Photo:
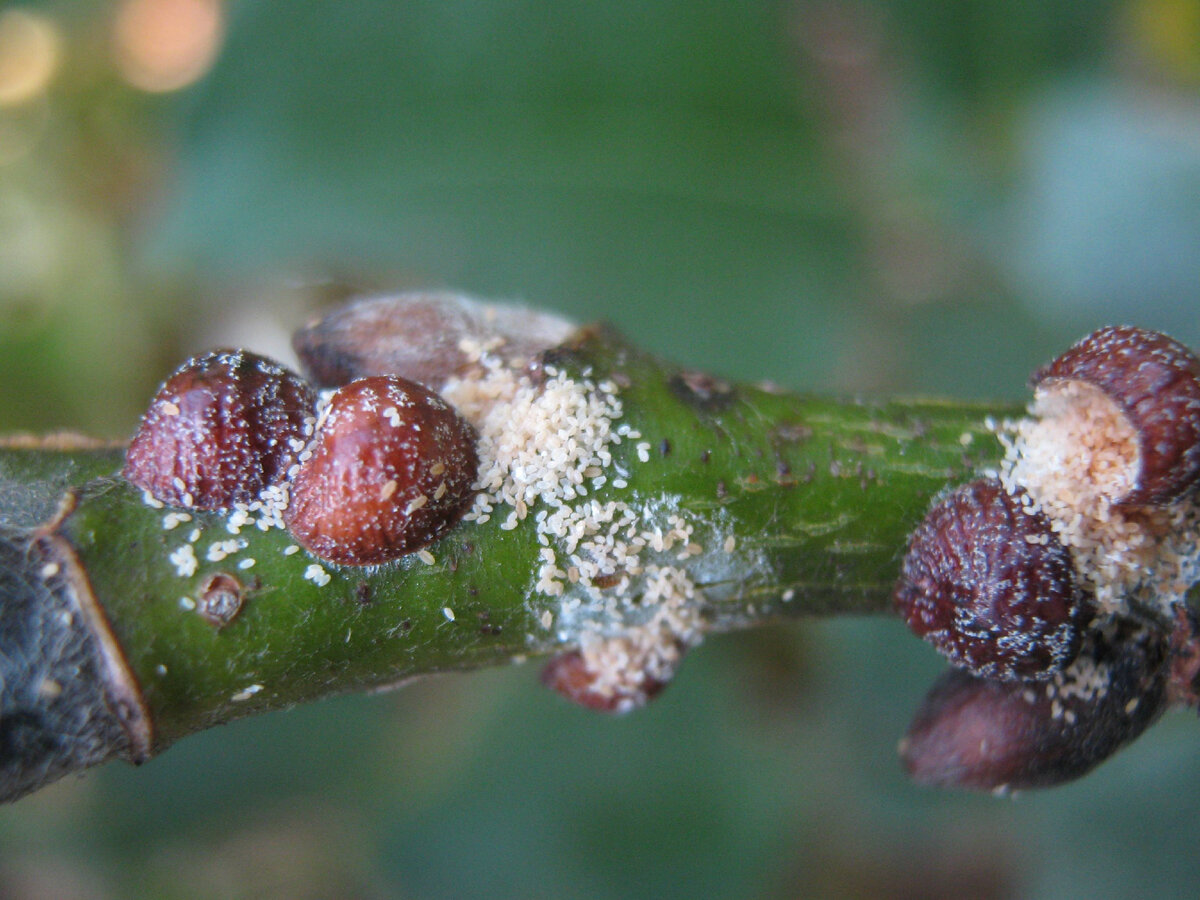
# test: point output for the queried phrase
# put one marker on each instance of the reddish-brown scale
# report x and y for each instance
(1155, 381)
(991, 587)
(997, 735)
(220, 430)
(568, 675)
(390, 472)
(418, 336)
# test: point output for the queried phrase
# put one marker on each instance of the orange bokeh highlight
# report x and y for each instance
(165, 45)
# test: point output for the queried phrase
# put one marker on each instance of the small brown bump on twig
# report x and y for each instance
(362, 593)
(568, 675)
(702, 391)
(610, 580)
(220, 599)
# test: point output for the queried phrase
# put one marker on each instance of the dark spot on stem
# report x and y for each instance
(793, 433)
(362, 593)
(560, 357)
(24, 735)
(664, 447)
(783, 471)
(220, 599)
(702, 391)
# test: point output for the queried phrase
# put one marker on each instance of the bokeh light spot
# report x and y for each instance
(30, 49)
(165, 45)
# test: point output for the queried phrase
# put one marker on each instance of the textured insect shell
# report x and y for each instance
(1155, 381)
(991, 586)
(988, 735)
(391, 471)
(220, 430)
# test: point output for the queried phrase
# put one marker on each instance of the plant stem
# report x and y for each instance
(801, 506)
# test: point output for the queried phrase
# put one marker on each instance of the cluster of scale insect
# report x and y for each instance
(1030, 580)
(382, 466)
(386, 471)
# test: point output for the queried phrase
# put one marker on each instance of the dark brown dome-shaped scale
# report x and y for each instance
(1155, 381)
(390, 472)
(225, 426)
(995, 735)
(988, 583)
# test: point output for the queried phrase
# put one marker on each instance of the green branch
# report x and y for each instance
(798, 506)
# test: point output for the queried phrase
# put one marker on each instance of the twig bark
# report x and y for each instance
(116, 645)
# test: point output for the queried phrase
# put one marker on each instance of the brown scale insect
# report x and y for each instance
(568, 675)
(390, 472)
(219, 431)
(418, 336)
(991, 587)
(1155, 382)
(992, 735)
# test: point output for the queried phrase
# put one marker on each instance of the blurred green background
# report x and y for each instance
(918, 196)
